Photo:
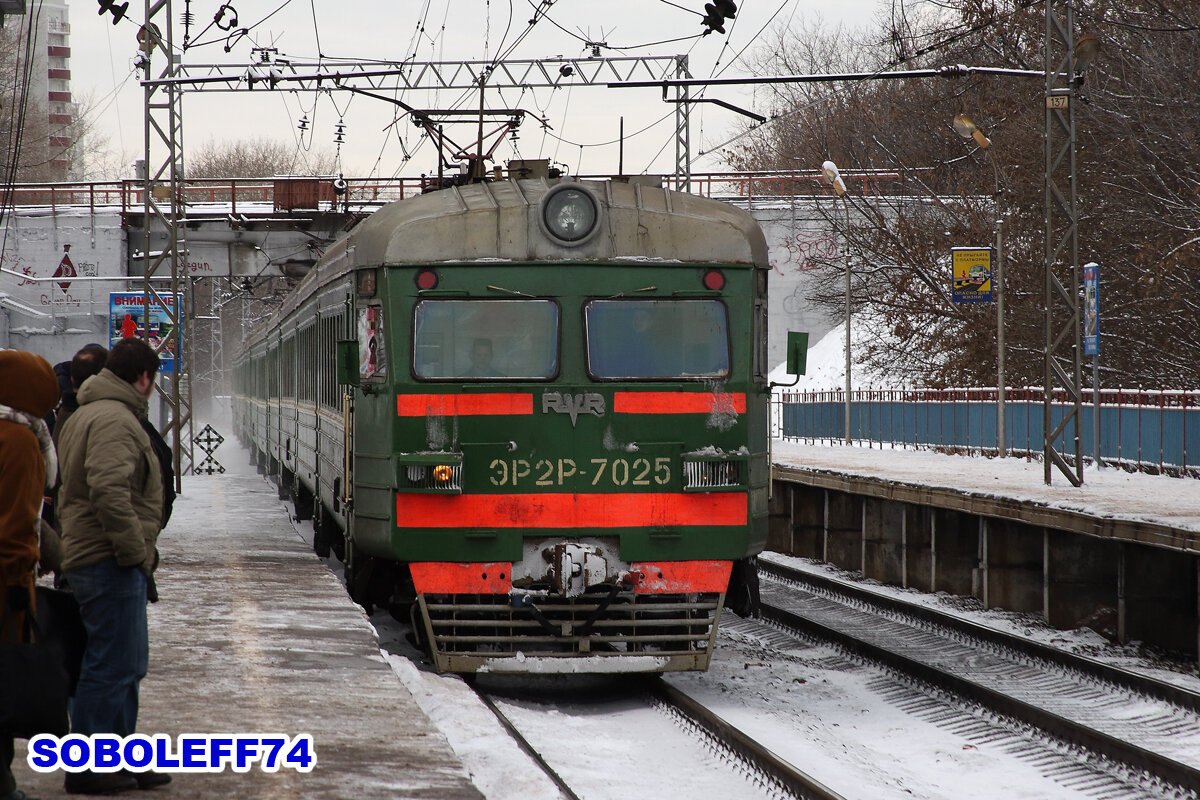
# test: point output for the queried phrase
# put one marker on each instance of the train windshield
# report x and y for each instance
(485, 339)
(657, 338)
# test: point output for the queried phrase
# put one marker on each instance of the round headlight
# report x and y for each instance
(570, 214)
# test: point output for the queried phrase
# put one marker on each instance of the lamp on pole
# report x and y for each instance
(830, 171)
(968, 130)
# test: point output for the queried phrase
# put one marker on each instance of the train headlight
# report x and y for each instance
(416, 474)
(443, 473)
(570, 214)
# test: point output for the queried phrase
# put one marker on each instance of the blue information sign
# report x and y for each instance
(1091, 309)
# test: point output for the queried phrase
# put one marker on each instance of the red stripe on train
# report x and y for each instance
(671, 577)
(445, 405)
(641, 510)
(443, 577)
(678, 402)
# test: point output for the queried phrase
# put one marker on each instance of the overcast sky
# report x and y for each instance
(584, 122)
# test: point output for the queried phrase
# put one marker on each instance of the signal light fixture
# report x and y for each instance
(427, 279)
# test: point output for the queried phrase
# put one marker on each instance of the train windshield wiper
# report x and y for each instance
(634, 291)
(510, 291)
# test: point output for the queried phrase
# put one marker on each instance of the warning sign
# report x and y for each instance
(127, 316)
(972, 274)
(65, 269)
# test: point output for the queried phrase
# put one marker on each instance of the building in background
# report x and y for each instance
(35, 81)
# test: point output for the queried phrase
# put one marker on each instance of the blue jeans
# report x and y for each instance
(112, 601)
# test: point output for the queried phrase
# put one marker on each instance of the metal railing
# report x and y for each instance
(292, 192)
(1155, 431)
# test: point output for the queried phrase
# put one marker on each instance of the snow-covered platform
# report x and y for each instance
(1150, 509)
(253, 634)
(1117, 554)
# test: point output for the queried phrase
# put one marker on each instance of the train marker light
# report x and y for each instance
(367, 282)
(427, 279)
(713, 279)
(442, 473)
(570, 214)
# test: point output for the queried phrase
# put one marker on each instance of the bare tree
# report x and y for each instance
(256, 158)
(1139, 183)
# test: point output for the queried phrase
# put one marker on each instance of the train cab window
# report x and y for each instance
(372, 358)
(481, 340)
(657, 339)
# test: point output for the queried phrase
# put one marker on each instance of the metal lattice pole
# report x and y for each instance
(164, 126)
(1063, 343)
(683, 149)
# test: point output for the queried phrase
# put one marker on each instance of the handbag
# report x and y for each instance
(33, 682)
(62, 624)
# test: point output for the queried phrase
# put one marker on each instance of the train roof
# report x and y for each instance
(499, 220)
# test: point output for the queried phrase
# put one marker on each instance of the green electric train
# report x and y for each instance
(532, 415)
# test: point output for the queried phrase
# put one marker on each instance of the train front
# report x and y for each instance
(561, 429)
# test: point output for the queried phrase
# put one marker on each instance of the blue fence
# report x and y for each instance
(1147, 430)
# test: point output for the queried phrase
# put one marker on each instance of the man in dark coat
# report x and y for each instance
(28, 391)
(110, 507)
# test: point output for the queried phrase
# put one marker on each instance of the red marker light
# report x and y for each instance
(713, 279)
(427, 279)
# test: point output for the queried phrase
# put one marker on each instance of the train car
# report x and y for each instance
(544, 433)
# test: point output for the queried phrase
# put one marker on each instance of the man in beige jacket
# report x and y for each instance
(110, 509)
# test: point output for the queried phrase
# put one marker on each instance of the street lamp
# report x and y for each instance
(968, 130)
(830, 171)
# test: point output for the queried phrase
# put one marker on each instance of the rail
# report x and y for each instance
(1156, 431)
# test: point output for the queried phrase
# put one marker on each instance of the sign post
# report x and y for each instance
(1091, 347)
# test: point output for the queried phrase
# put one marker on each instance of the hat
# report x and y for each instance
(27, 382)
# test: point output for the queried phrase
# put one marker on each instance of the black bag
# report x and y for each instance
(62, 624)
(33, 682)
(166, 467)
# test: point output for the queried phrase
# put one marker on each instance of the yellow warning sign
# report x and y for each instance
(972, 274)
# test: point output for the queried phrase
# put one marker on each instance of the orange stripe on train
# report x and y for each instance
(632, 510)
(446, 405)
(678, 402)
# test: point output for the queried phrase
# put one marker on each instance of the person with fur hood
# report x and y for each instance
(28, 470)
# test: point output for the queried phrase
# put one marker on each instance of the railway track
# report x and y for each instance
(1134, 720)
(751, 758)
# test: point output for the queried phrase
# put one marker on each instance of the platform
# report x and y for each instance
(1155, 510)
(1117, 554)
(253, 634)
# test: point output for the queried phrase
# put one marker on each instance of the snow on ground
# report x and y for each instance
(825, 366)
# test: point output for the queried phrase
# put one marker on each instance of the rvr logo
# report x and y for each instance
(573, 404)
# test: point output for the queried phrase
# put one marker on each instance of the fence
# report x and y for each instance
(366, 192)
(1148, 430)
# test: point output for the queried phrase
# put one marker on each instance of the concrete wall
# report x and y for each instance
(1125, 591)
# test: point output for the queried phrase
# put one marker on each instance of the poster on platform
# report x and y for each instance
(127, 317)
